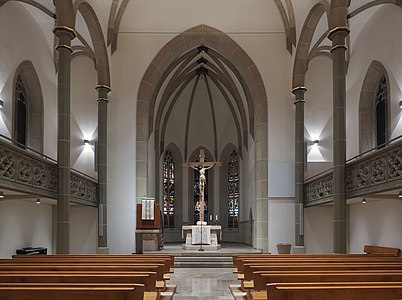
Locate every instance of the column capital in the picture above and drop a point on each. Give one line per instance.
(339, 29)
(299, 89)
(57, 30)
(299, 94)
(103, 86)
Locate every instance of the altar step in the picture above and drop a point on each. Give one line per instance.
(195, 260)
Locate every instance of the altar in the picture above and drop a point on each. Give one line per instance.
(205, 236)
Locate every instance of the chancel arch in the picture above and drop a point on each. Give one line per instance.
(202, 90)
(374, 108)
(28, 108)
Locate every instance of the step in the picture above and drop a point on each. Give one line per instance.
(203, 262)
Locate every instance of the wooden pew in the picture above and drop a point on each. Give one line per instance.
(169, 257)
(92, 260)
(268, 261)
(147, 279)
(9, 291)
(249, 269)
(369, 249)
(158, 269)
(335, 291)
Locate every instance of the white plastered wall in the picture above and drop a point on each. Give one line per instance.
(24, 224)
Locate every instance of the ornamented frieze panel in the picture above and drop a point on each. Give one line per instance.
(24, 171)
(376, 172)
(319, 189)
(83, 189)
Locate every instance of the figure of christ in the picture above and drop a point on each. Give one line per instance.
(202, 166)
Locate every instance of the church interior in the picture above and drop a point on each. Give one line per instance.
(292, 110)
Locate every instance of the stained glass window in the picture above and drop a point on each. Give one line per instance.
(381, 112)
(197, 205)
(20, 113)
(233, 190)
(168, 190)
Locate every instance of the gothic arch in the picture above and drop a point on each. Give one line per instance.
(222, 47)
(98, 41)
(34, 103)
(367, 106)
(303, 46)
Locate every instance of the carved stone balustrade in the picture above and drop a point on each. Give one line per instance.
(376, 172)
(25, 171)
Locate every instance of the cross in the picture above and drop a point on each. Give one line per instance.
(202, 165)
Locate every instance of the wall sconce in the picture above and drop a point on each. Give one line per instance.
(1, 194)
(316, 142)
(38, 201)
(86, 142)
(1, 103)
(400, 104)
(400, 194)
(364, 201)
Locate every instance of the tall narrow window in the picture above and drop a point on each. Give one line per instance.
(381, 112)
(233, 190)
(20, 113)
(197, 204)
(168, 190)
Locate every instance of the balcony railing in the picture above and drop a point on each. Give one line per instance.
(375, 171)
(25, 170)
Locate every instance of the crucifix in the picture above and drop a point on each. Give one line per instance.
(202, 166)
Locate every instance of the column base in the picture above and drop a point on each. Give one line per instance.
(102, 250)
(299, 249)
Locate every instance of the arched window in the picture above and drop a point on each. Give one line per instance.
(21, 110)
(168, 190)
(233, 190)
(381, 112)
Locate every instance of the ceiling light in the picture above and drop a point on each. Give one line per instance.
(364, 201)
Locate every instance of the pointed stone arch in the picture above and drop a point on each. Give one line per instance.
(34, 101)
(98, 41)
(248, 75)
(303, 46)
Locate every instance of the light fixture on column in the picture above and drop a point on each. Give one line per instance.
(1, 194)
(316, 142)
(364, 201)
(38, 201)
(86, 142)
(1, 103)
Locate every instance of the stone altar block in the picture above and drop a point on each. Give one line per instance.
(209, 233)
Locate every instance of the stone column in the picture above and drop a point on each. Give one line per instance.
(260, 205)
(102, 167)
(299, 168)
(338, 37)
(64, 35)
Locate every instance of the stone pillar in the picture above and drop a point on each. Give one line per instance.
(64, 35)
(102, 167)
(338, 37)
(299, 168)
(260, 205)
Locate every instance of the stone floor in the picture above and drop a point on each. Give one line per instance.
(203, 284)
